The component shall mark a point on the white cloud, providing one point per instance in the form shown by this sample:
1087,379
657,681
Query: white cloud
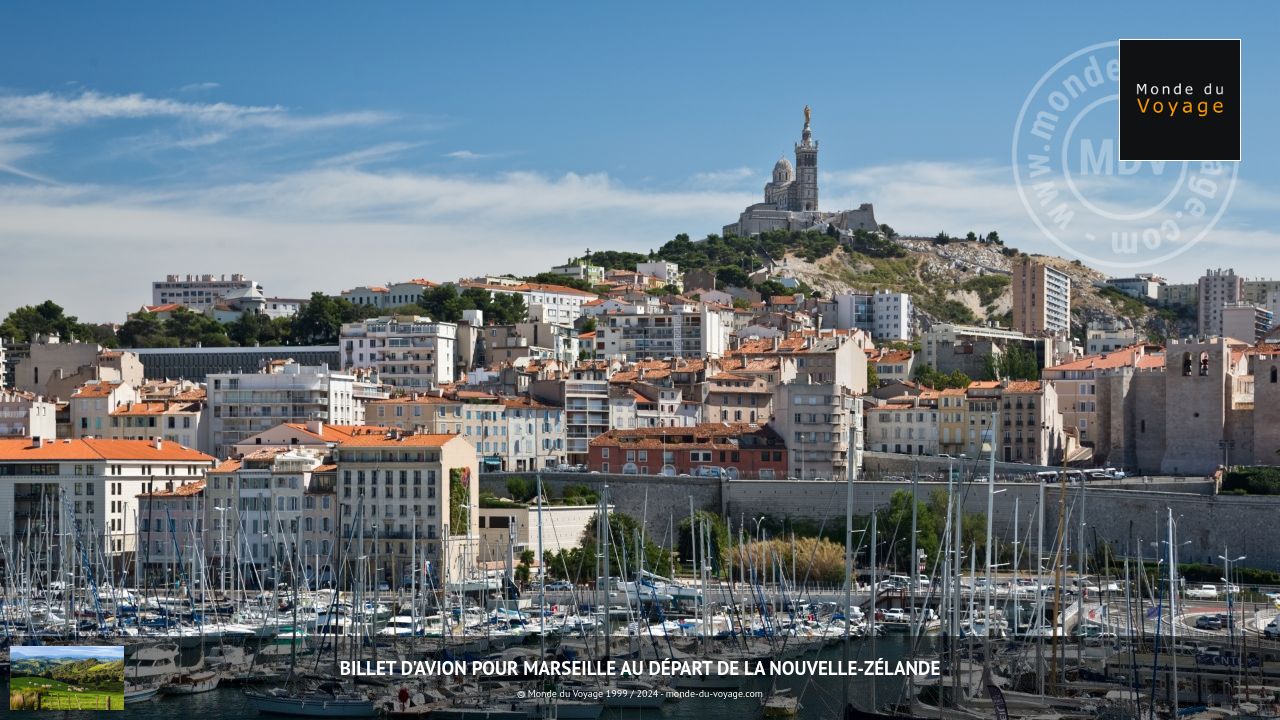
50,110
365,156
198,87
469,155
733,179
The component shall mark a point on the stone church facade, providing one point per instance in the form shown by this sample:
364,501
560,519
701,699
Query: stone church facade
791,198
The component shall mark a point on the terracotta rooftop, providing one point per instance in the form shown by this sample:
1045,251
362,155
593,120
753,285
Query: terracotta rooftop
1124,357
396,440
95,390
183,490
340,433
98,449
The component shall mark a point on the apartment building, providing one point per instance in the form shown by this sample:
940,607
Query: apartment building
1245,321
198,292
737,398
1215,290
170,532
242,405
405,351
1041,298
391,295
24,414
255,507
393,487
55,369
819,356
907,424
494,346
817,421
508,433
584,394
732,450
690,330
67,491
1030,427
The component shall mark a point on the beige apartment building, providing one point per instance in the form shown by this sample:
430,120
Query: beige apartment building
1041,298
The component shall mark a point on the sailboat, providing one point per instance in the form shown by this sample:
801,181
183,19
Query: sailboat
327,700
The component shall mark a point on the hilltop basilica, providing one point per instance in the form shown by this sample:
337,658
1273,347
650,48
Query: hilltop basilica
791,198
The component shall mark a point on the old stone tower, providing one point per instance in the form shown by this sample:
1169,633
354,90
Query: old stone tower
796,189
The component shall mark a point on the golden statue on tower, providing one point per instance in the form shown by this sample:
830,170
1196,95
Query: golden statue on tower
806,114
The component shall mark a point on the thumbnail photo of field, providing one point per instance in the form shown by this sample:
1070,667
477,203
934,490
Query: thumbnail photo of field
66,678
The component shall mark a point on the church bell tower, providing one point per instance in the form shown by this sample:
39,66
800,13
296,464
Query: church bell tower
806,183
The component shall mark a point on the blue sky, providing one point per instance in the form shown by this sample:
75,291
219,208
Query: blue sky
324,146
114,652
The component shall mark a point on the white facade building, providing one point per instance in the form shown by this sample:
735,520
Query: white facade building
405,351
24,414
691,330
90,484
891,313
244,404
198,292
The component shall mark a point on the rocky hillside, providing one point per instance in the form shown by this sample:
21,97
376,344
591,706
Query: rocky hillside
968,282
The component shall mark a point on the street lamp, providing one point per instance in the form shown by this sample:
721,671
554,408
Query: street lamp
1226,570
222,550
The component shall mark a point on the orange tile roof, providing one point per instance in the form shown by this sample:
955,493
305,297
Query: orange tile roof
183,490
227,466
95,390
98,449
397,440
166,307
894,356
1023,386
153,408
341,433
1124,357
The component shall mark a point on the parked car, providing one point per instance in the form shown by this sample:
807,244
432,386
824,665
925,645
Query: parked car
559,585
895,615
1204,592
1272,630
1208,622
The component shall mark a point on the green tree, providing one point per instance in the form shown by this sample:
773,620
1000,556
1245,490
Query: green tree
320,321
1015,363
873,377
188,328
894,526
47,318
521,488
719,540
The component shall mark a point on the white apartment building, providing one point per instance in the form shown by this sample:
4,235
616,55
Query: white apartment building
906,425
24,414
198,292
1101,338
891,313
692,330
91,485
584,395
244,404
667,272
508,433
255,512
405,351
388,296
